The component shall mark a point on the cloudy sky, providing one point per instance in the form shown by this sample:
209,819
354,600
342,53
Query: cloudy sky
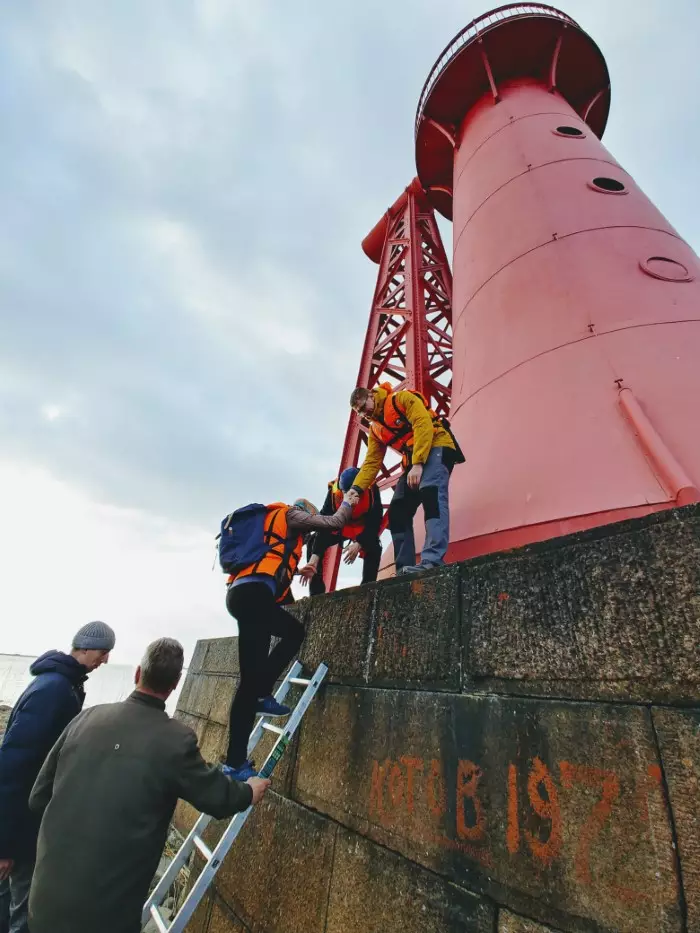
184,185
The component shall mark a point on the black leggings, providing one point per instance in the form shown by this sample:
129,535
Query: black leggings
259,617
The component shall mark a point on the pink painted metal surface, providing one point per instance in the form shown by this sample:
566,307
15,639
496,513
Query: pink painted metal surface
409,334
569,286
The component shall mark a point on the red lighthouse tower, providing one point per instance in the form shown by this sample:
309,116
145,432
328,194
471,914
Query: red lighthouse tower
576,305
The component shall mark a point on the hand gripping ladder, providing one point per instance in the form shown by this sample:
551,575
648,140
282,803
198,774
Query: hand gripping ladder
213,859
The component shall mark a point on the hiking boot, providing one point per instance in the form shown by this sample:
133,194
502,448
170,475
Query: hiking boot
418,568
269,706
242,772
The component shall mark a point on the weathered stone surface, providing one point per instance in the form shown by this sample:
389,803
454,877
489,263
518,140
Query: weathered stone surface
213,742
401,632
277,875
300,609
679,737
614,611
200,650
554,809
223,920
185,817
221,656
224,689
511,923
416,633
194,722
186,690
338,633
197,695
374,889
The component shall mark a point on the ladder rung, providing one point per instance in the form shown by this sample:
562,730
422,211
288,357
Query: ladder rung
203,848
158,919
301,681
271,728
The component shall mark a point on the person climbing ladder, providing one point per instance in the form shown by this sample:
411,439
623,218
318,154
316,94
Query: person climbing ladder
260,547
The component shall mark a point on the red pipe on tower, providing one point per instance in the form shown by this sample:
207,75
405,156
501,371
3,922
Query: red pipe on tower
568,285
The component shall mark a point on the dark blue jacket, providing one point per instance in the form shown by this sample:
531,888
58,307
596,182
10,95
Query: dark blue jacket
38,718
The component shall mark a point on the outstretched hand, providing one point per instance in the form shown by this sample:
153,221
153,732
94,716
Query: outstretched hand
306,573
351,552
352,497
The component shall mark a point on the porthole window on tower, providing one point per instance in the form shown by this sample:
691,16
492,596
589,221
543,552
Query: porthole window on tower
668,270
573,132
607,185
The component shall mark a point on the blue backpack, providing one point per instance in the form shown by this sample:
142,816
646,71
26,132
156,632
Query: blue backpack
242,540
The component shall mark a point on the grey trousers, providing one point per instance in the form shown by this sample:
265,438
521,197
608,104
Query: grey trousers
14,898
433,496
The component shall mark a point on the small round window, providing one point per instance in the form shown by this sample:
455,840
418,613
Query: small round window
573,132
607,185
668,270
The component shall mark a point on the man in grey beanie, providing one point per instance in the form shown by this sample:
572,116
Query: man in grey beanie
50,702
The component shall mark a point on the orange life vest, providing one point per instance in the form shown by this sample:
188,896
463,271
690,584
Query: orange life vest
392,428
356,523
282,559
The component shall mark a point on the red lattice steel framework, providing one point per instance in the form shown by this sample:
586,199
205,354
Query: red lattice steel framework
409,335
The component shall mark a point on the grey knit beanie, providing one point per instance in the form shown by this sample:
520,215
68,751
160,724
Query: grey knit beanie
95,636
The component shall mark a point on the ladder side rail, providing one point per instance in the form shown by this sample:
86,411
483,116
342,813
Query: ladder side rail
157,896
281,694
206,877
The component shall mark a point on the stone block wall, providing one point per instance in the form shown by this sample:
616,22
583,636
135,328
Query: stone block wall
508,745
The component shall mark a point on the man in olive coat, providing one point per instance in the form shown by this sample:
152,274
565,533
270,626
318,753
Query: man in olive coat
108,790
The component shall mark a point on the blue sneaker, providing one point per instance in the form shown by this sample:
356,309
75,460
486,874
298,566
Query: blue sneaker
269,706
242,772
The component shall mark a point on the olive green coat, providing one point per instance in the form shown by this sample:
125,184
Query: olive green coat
108,791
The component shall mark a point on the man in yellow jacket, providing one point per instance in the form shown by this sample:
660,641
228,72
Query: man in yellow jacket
404,421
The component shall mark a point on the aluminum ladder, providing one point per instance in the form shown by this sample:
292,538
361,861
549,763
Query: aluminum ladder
194,841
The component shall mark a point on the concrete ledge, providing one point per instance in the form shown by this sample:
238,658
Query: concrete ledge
613,612
609,613
416,633
457,737
338,632
403,632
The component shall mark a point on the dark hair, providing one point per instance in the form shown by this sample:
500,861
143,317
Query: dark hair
359,396
162,665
